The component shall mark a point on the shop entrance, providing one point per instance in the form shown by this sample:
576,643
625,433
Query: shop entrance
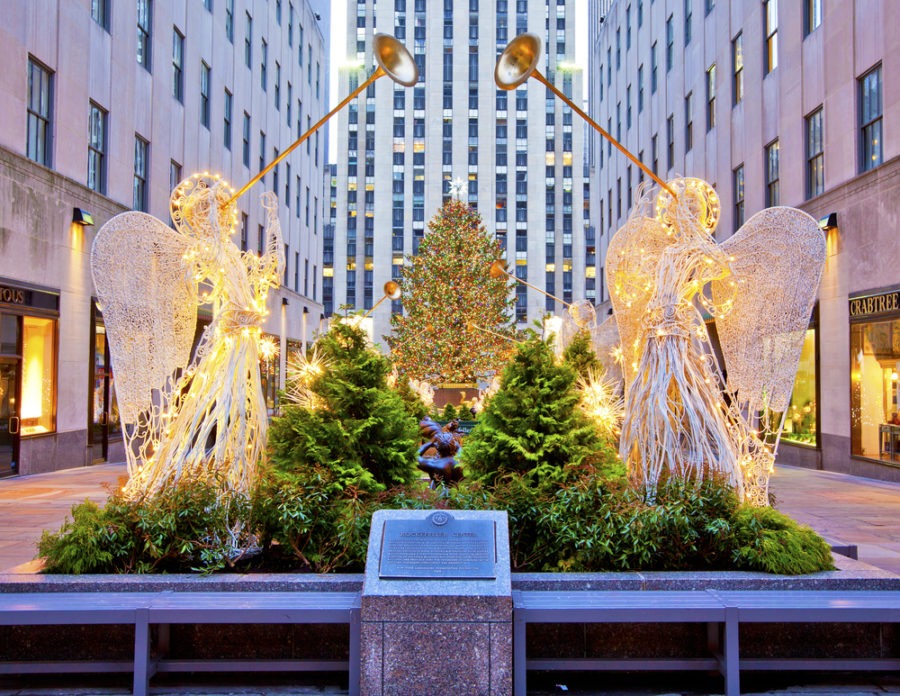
105,423
10,388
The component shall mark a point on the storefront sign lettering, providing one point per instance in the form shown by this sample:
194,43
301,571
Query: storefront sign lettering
12,295
876,304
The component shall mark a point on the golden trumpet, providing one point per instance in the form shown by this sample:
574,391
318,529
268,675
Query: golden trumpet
498,270
393,60
392,291
519,61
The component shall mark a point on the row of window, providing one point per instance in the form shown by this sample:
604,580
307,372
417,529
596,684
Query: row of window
871,151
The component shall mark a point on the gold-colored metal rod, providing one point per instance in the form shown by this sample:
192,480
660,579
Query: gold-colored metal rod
621,148
302,139
375,306
534,287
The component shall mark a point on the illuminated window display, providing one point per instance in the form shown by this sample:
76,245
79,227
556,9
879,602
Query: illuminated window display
800,422
874,364
38,375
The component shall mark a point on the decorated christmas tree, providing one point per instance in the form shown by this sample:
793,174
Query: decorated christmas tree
457,317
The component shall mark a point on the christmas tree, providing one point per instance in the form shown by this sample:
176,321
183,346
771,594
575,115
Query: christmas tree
457,318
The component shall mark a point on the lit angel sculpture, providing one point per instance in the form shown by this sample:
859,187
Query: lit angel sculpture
205,420
665,271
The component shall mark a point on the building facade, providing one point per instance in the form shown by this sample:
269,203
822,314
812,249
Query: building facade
776,103
108,105
516,156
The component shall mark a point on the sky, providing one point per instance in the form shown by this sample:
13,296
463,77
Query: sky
338,54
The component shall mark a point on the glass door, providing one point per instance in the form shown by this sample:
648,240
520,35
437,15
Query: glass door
105,413
10,387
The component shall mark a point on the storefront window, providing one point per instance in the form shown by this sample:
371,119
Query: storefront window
38,375
874,364
800,422
269,371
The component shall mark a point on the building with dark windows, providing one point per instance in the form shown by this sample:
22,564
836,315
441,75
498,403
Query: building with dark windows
107,106
516,156
776,103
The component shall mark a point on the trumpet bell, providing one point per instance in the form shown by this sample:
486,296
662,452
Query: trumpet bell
392,290
518,60
395,60
498,269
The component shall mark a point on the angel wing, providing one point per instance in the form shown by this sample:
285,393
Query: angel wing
776,258
149,304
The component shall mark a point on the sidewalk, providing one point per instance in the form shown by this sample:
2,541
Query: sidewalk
31,504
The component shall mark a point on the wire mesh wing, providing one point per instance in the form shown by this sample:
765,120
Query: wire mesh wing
149,304
776,258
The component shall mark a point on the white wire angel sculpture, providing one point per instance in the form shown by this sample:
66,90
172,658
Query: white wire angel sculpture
205,420
665,271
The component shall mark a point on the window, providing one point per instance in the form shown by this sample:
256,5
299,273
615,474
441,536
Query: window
874,354
738,197
711,97
688,16
40,81
141,169
245,140
178,65
737,62
870,119
204,94
248,41
772,189
654,153
815,154
174,174
143,33
96,174
229,20
628,27
640,94
800,421
710,6
38,370
100,12
689,122
277,86
227,119
670,142
207,4
670,43
771,35
654,69
812,16
264,61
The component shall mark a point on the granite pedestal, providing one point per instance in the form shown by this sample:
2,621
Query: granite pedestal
430,635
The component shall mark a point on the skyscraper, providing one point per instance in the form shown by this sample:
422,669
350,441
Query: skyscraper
514,156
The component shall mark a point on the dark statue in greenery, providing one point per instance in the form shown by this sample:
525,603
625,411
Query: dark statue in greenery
441,469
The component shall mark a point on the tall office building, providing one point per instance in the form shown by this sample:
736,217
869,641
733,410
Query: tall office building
107,106
776,103
516,156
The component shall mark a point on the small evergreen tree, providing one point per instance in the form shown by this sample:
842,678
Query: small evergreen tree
362,430
580,355
533,420
457,316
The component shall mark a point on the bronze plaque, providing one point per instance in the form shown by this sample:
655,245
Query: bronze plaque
438,547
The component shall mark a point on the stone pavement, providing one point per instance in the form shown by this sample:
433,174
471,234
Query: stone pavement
31,504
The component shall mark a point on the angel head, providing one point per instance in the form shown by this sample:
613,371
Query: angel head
201,202
695,207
